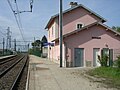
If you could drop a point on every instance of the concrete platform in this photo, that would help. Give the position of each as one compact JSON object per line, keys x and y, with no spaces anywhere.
{"x":6,"y":56}
{"x":46,"y":75}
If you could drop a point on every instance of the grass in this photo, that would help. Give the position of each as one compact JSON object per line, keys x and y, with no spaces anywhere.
{"x":112,"y":75}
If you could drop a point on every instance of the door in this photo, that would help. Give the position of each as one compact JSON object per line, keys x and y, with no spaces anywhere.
{"x":96,"y":52}
{"x":110,"y":57}
{"x":78,"y":57}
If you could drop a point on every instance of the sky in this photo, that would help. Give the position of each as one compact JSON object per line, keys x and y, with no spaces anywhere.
{"x":33,"y":24}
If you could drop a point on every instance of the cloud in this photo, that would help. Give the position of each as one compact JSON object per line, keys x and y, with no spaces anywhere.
{"x":5,"y":23}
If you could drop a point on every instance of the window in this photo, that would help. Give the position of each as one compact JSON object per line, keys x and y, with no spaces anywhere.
{"x":96,"y":37}
{"x":79,"y":26}
{"x":52,"y":30}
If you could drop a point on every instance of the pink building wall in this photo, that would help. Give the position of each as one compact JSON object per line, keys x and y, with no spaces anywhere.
{"x":55,"y":53}
{"x":70,"y":20}
{"x":51,"y":31}
{"x":83,"y":39}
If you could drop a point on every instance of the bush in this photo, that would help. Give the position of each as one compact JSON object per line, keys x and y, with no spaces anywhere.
{"x":117,"y":62}
{"x":103,"y":60}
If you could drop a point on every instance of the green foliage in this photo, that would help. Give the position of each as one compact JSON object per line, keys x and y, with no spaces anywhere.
{"x":35,"y":52}
{"x":117,"y":28}
{"x":36,"y":44}
{"x":106,"y":72}
{"x":103,"y":60}
{"x":111,"y":75}
{"x":117,"y":62}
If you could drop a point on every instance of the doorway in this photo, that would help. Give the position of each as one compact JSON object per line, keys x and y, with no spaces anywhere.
{"x":78,"y":57}
{"x":96,"y":52}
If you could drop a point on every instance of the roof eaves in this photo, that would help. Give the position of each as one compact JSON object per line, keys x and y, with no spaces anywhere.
{"x":109,"y":28}
{"x":93,"y":12}
{"x":58,"y":15}
{"x":66,"y":35}
{"x":48,"y":23}
{"x":80,"y":5}
{"x":67,"y":10}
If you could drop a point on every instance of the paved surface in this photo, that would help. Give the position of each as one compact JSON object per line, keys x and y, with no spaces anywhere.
{"x":6,"y":56}
{"x":46,"y":75}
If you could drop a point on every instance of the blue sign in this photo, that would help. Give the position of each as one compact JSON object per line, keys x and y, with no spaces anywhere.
{"x":48,"y":44}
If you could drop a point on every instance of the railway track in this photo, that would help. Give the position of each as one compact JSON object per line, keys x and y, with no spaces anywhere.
{"x":10,"y":76}
{"x":7,"y":63}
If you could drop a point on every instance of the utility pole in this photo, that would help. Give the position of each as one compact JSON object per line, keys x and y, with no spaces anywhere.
{"x":14,"y":44}
{"x":7,"y":39}
{"x":28,"y":48}
{"x":19,"y":46}
{"x":61,"y":27}
{"x":34,"y":44}
{"x":3,"y":45}
{"x":31,"y":7}
{"x":8,"y":42}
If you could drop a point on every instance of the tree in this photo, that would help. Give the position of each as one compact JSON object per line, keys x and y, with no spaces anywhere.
{"x":38,"y":42}
{"x":32,"y":44}
{"x":36,"y":48}
{"x":117,"y":28}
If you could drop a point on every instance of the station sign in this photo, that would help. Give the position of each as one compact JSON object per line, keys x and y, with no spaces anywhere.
{"x":48,"y":44}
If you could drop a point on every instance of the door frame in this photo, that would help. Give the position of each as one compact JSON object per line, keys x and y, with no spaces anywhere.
{"x":83,"y":62}
{"x":94,"y":63}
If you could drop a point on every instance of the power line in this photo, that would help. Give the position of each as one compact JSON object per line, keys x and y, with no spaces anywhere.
{"x":31,"y":7}
{"x":2,"y":32}
{"x":16,"y":19}
{"x":19,"y":18}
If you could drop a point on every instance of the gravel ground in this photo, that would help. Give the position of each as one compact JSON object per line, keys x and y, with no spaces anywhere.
{"x":21,"y":85}
{"x":7,"y":80}
{"x":8,"y":64}
{"x":46,"y":75}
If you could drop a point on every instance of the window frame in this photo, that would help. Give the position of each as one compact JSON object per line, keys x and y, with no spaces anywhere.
{"x":79,"y":27}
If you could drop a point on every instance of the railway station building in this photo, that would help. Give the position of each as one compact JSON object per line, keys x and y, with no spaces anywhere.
{"x":85,"y":36}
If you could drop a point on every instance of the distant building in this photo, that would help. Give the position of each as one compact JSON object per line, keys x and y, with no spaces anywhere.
{"x":84,"y":37}
{"x":44,"y":52}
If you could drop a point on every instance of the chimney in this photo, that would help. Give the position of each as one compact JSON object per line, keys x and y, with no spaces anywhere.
{"x":73,"y":4}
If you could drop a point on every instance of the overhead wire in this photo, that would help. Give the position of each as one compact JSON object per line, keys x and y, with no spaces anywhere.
{"x":3,"y":34}
{"x":19,"y":18}
{"x":19,"y":26}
